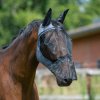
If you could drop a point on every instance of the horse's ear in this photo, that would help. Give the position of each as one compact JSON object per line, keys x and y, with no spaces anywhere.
{"x":62,"y":16}
{"x":47,"y":18}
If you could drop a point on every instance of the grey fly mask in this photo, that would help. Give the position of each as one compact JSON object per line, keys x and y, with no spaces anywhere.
{"x":55,"y":67}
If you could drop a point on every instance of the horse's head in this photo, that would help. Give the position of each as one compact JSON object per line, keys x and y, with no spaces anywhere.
{"x":54,"y":49}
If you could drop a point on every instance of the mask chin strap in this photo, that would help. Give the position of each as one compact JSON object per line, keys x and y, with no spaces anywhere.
{"x":41,"y":58}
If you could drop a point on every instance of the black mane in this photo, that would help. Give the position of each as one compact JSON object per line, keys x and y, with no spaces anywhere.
{"x":24,"y":30}
{"x":20,"y":32}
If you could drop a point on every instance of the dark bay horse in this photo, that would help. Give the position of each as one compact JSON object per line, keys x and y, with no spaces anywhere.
{"x":40,"y":41}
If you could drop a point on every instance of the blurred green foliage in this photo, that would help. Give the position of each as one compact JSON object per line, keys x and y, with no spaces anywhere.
{"x":16,"y":14}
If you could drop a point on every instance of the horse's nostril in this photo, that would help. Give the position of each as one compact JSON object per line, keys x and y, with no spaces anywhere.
{"x":66,"y":80}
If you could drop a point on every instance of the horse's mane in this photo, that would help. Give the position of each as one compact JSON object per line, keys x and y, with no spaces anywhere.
{"x":25,"y":30}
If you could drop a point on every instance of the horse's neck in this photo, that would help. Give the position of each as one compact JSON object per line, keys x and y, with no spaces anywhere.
{"x":21,"y":62}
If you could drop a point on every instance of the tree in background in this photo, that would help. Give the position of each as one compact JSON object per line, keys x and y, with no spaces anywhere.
{"x":16,"y":14}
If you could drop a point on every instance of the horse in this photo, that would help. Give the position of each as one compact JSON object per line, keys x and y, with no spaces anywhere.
{"x":44,"y":41}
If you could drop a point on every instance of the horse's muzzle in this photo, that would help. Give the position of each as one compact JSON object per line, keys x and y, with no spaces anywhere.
{"x":64,"y":71}
{"x":64,"y":82}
